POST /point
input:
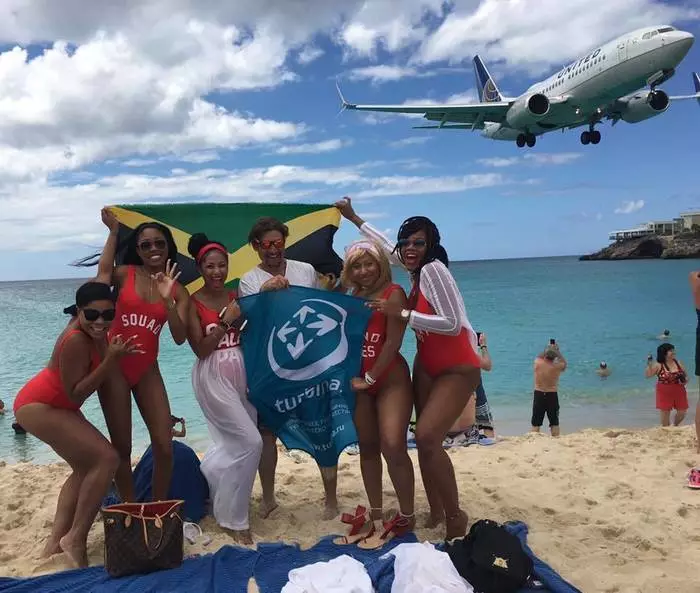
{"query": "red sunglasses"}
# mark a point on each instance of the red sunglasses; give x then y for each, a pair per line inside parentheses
(266, 244)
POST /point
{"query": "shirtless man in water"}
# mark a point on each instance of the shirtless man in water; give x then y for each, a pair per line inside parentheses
(548, 368)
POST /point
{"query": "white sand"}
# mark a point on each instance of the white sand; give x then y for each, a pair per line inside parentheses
(608, 509)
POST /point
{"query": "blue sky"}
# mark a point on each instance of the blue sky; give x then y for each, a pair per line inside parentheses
(224, 104)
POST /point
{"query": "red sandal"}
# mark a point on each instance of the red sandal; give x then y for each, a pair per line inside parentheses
(399, 526)
(694, 478)
(360, 527)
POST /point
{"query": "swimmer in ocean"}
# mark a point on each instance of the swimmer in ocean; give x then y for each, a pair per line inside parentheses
(603, 370)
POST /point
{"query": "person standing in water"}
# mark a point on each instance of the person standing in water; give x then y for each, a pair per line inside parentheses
(384, 400)
(447, 368)
(48, 407)
(548, 368)
(220, 386)
(670, 386)
(275, 272)
(149, 297)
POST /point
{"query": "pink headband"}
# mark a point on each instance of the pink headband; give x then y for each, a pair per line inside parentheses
(208, 247)
(357, 245)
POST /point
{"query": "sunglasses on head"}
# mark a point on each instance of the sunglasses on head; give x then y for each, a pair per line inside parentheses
(147, 245)
(95, 314)
(409, 243)
(266, 244)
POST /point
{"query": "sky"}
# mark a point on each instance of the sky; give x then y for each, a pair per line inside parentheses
(105, 102)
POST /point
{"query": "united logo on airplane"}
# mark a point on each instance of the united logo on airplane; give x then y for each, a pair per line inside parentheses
(490, 92)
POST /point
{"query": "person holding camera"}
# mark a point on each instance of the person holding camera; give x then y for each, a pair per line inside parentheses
(670, 385)
(548, 368)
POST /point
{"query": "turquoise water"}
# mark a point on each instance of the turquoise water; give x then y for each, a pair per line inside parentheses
(596, 311)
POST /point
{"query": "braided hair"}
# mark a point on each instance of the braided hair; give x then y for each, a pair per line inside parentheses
(434, 251)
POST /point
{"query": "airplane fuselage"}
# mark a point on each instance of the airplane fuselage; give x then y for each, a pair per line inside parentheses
(601, 77)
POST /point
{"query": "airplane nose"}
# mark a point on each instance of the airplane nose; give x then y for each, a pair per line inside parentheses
(684, 39)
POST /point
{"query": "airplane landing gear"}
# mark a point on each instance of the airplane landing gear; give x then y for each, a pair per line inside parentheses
(590, 137)
(524, 139)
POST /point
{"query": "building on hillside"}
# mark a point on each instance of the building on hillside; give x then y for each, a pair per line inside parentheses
(687, 221)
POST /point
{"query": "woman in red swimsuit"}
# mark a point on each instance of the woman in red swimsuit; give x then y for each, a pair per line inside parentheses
(670, 386)
(49, 408)
(149, 297)
(384, 399)
(446, 370)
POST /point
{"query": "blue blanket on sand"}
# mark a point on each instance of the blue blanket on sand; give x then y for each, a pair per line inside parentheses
(230, 568)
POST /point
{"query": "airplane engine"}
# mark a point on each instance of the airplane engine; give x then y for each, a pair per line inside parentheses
(641, 107)
(527, 110)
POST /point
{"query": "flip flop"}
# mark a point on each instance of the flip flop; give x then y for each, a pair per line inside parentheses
(694, 478)
(360, 527)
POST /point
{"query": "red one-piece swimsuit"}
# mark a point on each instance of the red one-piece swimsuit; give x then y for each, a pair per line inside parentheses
(46, 386)
(137, 317)
(375, 337)
(209, 319)
(440, 352)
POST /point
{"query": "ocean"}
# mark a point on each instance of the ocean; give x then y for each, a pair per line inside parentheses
(596, 311)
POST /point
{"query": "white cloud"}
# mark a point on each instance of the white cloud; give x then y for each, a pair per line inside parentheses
(530, 36)
(628, 207)
(411, 141)
(381, 73)
(537, 159)
(56, 227)
(313, 147)
(560, 158)
(499, 161)
(309, 54)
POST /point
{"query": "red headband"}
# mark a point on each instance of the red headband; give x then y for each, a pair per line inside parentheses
(208, 247)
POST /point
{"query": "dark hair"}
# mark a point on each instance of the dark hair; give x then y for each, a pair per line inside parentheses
(662, 351)
(92, 291)
(434, 251)
(199, 240)
(129, 246)
(265, 225)
(71, 310)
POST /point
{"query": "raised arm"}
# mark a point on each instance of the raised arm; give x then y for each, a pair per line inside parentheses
(652, 369)
(105, 265)
(375, 235)
(439, 288)
(486, 362)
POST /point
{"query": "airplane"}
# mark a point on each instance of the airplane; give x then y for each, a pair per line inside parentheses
(605, 84)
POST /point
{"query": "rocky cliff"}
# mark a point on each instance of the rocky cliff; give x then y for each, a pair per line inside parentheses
(685, 245)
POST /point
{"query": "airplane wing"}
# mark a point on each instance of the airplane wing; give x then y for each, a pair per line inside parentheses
(472, 113)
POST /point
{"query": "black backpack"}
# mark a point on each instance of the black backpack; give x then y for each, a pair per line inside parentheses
(491, 559)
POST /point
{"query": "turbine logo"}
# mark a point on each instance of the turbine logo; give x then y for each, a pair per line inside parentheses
(490, 92)
(309, 343)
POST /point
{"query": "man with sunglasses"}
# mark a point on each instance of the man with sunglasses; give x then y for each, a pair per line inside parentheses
(274, 272)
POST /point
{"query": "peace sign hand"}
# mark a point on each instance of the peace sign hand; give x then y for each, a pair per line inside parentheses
(118, 347)
(166, 281)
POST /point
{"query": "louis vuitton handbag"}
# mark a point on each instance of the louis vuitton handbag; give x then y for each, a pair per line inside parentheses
(142, 537)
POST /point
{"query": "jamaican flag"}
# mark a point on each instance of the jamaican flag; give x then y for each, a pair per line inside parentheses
(311, 230)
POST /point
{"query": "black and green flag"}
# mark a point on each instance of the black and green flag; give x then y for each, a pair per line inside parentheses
(311, 231)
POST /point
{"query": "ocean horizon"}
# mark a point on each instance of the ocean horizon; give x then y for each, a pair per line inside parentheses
(596, 311)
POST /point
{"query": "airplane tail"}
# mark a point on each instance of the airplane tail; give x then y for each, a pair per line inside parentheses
(696, 82)
(488, 91)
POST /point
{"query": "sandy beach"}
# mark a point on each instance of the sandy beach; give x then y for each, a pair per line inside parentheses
(608, 509)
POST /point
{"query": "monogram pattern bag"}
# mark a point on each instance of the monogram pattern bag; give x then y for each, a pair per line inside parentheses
(142, 537)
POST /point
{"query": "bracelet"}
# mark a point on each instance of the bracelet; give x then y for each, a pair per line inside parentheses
(369, 380)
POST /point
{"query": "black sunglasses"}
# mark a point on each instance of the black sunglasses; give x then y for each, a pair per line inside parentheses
(409, 243)
(147, 245)
(95, 314)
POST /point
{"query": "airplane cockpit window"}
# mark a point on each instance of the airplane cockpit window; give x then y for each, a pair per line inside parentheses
(666, 29)
(647, 35)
